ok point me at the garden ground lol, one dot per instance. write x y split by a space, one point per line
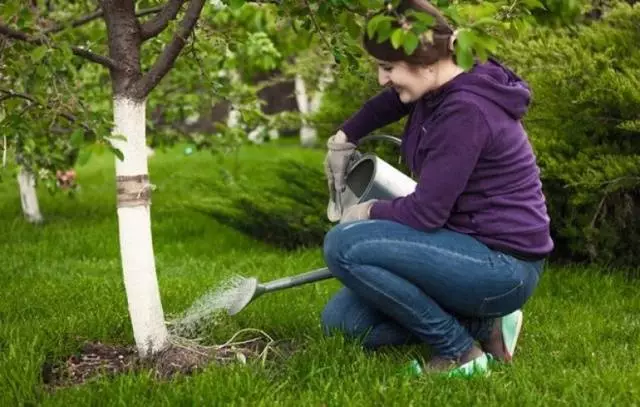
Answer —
62 288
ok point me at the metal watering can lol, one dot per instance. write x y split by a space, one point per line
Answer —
368 177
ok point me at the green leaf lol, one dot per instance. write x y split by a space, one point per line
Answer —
372 25
397 37
424 18
410 43
10 9
464 57
77 137
384 31
236 4
466 39
38 53
117 153
533 4
118 137
84 156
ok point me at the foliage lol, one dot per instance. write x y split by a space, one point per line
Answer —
287 213
244 38
584 125
45 115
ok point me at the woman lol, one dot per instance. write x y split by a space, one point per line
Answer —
451 264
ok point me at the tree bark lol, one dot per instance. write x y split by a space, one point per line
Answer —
308 105
134 224
29 197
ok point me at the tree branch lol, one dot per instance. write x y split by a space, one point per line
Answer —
316 25
8 94
93 16
165 61
79 51
77 23
156 25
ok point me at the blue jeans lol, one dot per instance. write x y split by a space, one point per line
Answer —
406 286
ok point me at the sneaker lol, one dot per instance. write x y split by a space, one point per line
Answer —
479 366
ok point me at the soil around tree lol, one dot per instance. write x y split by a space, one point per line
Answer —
96 359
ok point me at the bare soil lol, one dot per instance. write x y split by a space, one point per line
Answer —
96 359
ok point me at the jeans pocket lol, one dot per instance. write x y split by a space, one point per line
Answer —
503 304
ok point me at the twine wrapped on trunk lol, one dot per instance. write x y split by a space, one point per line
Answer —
133 190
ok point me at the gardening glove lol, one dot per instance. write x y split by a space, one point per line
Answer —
336 161
334 209
359 211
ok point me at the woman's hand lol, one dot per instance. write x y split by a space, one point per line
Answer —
335 165
359 211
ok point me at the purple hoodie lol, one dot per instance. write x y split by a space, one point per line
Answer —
477 170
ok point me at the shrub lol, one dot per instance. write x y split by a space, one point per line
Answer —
288 214
585 126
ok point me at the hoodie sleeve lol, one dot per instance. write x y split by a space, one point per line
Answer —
452 148
382 109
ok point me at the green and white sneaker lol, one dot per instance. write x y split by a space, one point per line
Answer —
479 366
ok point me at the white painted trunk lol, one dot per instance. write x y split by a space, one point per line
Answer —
308 134
325 79
301 94
308 105
134 223
233 119
29 197
257 135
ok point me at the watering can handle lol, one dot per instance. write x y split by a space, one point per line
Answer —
386 137
300 279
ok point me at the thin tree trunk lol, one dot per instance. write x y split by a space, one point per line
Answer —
308 105
134 224
29 197
233 120
308 134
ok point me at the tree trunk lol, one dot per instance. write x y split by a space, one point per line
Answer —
130 88
134 224
308 134
233 120
308 105
29 197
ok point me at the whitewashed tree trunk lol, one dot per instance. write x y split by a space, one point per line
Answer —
28 196
233 119
308 105
134 223
308 134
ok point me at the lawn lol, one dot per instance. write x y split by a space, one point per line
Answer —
62 286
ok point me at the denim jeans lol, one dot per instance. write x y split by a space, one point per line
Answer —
404 286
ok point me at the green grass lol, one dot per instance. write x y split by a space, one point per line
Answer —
61 285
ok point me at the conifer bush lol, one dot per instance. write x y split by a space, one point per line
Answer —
584 123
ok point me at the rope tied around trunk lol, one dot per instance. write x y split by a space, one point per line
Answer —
134 190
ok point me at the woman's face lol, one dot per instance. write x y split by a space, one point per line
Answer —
411 82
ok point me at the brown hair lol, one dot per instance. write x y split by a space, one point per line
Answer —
427 53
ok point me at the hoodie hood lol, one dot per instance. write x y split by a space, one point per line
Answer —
496 83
